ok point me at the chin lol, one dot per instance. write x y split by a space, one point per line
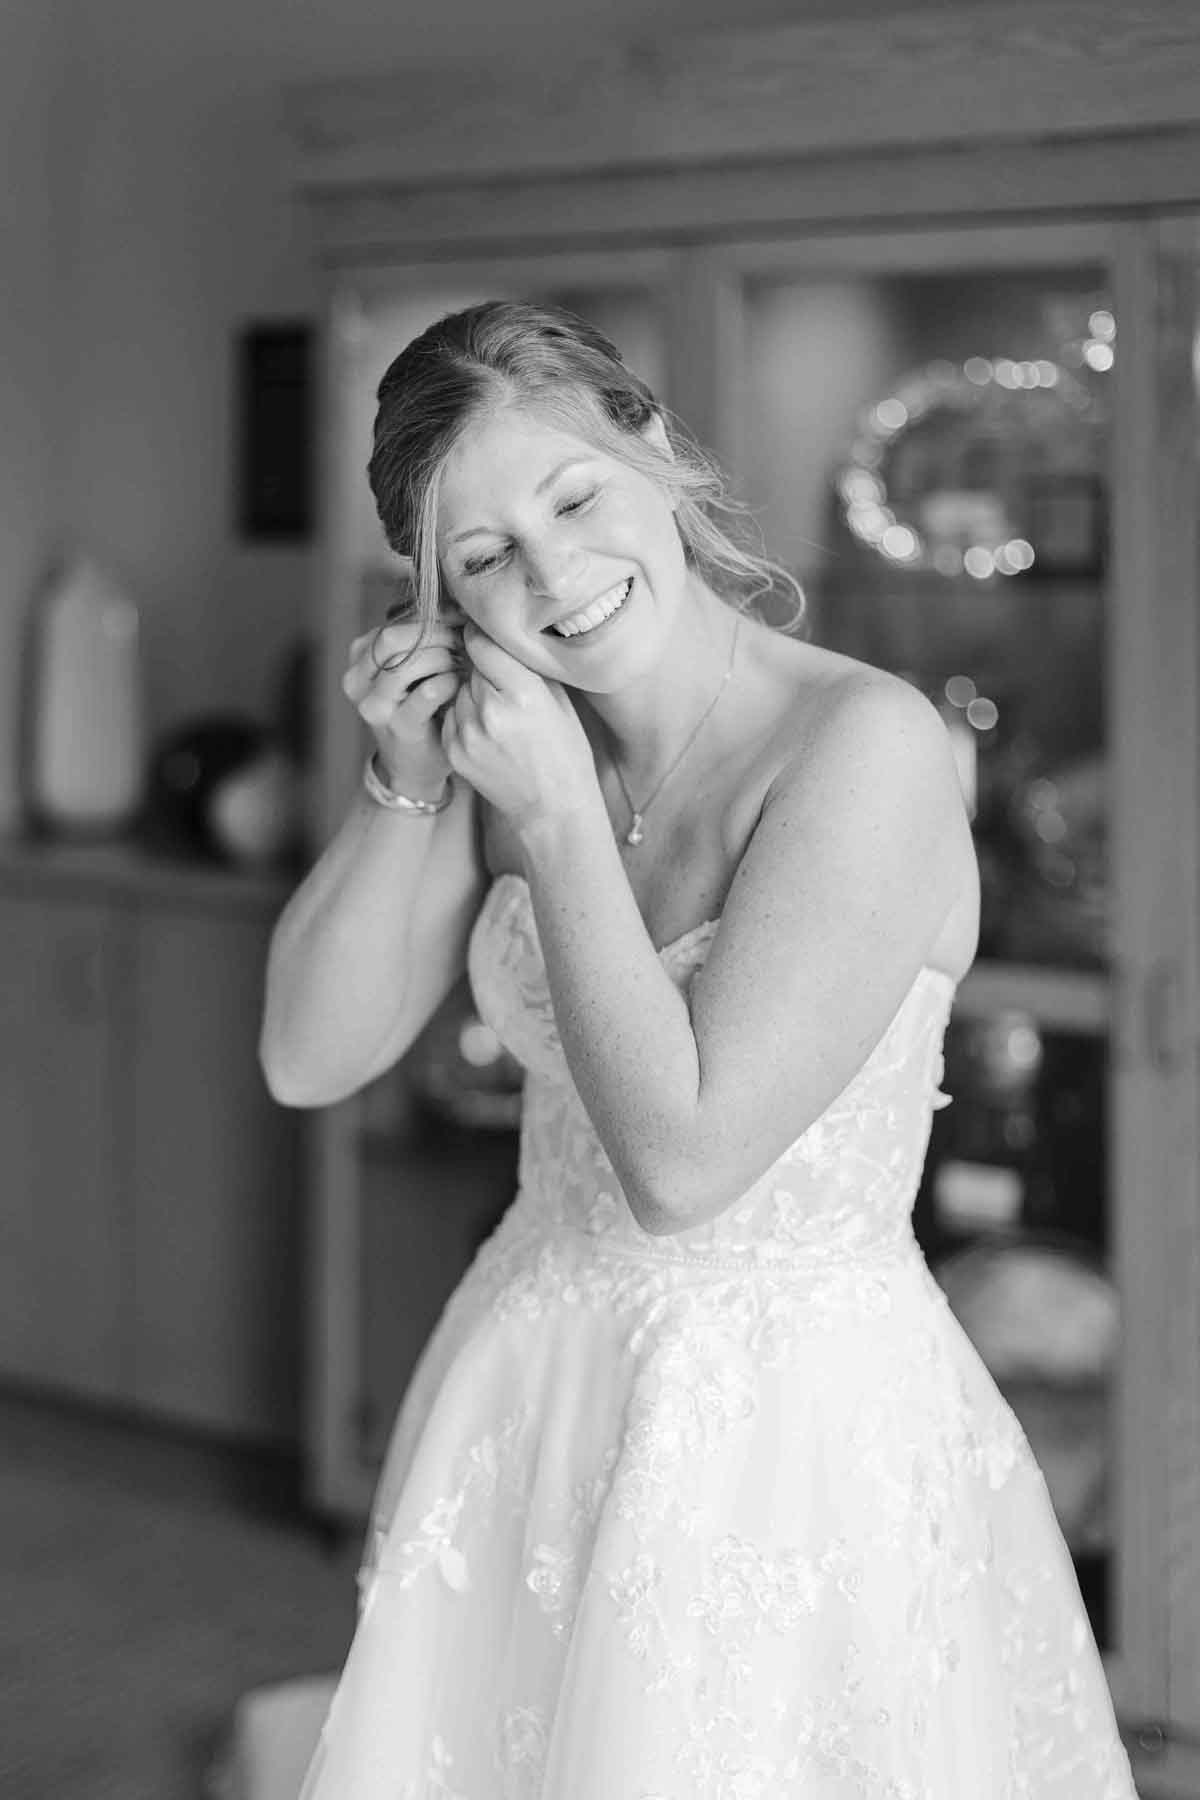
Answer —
615 681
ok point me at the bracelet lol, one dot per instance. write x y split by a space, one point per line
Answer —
387 797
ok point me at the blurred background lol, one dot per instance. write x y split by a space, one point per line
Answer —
927 284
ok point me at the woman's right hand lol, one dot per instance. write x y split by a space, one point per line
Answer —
401 701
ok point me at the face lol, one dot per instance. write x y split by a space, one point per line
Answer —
565 556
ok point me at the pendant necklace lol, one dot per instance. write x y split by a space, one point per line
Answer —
635 835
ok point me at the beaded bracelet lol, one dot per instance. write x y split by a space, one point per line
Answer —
387 797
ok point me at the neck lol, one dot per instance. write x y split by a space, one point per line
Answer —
645 725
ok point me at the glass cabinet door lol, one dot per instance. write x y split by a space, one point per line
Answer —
926 428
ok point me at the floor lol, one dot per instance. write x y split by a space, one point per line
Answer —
146 1581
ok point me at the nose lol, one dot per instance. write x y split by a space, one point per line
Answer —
554 566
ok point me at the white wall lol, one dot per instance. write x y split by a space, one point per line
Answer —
175 226
148 215
31 209
186 230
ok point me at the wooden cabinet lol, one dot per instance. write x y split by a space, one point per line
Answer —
777 278
215 1265
64 1220
150 1226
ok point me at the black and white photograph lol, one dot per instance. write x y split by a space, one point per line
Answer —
600 900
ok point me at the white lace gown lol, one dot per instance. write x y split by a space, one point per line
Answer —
737 1514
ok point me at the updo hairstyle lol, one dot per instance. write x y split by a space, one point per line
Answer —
505 352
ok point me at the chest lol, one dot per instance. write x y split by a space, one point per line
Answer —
690 845
695 830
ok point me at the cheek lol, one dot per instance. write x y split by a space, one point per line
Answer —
493 607
646 526
474 600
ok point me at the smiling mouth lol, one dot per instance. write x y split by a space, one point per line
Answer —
590 618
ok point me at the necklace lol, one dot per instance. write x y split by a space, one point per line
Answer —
635 835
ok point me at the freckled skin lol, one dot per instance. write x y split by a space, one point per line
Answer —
855 862
537 555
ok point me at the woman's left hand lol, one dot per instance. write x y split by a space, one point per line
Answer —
516 737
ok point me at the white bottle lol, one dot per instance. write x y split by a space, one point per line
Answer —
87 767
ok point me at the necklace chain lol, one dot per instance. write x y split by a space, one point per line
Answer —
635 834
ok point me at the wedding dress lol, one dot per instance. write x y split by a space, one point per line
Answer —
736 1514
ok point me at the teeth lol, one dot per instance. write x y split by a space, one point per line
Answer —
596 613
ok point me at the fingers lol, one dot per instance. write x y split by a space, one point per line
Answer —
410 707
382 656
436 691
389 642
449 738
466 708
497 666
363 675
463 726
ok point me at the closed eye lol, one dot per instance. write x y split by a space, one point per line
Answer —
578 504
486 565
483 565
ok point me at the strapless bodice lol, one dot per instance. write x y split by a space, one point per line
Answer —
841 1193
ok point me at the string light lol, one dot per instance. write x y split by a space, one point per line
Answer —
1094 348
862 487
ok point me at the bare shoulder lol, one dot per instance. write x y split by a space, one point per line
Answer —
858 768
817 703
868 719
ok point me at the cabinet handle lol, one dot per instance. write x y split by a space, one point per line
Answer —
1151 1738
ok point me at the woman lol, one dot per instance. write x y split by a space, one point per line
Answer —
699 1489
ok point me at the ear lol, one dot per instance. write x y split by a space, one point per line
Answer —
655 432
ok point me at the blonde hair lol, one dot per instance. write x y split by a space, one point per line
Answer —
566 371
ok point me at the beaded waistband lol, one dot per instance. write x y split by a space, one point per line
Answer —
755 1258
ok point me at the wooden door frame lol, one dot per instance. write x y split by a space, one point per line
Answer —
1155 686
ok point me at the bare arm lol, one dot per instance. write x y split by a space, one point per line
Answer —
368 945
834 906
376 934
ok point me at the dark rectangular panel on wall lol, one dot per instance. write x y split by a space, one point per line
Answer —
274 413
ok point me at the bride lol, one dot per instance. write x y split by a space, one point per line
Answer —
699 1489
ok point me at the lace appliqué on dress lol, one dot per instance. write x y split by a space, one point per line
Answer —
732 1515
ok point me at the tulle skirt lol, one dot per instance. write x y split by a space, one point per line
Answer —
669 1533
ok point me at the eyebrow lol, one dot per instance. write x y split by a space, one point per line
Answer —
569 462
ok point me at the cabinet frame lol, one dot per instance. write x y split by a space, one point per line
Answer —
1155 687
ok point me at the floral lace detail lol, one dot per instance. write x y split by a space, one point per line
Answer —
553 1579
749 1591
695 1386
1051 1693
435 1784
732 1515
556 1571
485 1465
843 1189
635 1591
521 1752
